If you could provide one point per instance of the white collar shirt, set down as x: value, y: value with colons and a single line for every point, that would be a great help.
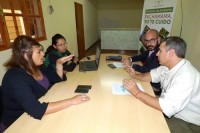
x: 150, y: 52
x: 180, y: 95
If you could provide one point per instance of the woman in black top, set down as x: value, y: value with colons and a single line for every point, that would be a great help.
x: 57, y: 50
x: 25, y: 82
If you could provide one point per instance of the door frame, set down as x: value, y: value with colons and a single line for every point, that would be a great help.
x: 80, y: 29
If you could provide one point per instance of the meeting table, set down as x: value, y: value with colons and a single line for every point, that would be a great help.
x: 104, y: 113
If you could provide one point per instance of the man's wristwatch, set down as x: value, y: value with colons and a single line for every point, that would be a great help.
x: 130, y: 59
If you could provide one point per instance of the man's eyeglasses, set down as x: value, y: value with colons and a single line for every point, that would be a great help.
x: 153, y: 40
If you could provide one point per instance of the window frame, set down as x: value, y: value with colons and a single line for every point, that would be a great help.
x: 6, y: 43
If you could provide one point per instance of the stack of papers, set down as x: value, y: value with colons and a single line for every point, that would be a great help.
x: 118, y: 89
x: 118, y: 64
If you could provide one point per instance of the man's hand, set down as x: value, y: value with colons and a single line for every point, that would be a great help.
x: 131, y: 71
x: 126, y: 62
x: 130, y: 86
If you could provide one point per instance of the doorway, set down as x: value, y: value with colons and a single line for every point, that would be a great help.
x: 80, y: 30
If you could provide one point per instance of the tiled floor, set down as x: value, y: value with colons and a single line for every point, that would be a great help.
x: 92, y: 50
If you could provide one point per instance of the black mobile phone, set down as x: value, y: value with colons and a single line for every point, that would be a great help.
x: 111, y: 66
x: 83, y: 88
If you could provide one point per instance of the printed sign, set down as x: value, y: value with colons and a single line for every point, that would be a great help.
x: 159, y: 15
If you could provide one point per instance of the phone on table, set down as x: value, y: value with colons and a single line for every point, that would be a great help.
x: 83, y: 88
x: 111, y: 66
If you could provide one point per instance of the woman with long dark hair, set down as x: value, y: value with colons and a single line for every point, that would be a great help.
x: 26, y: 81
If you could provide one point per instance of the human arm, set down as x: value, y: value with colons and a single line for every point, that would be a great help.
x: 150, y: 63
x: 147, y: 67
x: 37, y: 109
x: 146, y: 77
x: 141, y: 57
x: 59, y: 105
x: 59, y: 64
x: 25, y: 95
x: 75, y: 60
x: 69, y: 67
x: 131, y: 86
x: 27, y: 92
x: 128, y: 61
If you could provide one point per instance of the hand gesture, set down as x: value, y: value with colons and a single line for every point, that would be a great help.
x: 64, y: 59
x: 130, y: 86
x: 75, y: 60
x: 126, y: 62
x: 131, y: 71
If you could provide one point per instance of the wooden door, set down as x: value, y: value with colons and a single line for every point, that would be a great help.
x: 80, y: 30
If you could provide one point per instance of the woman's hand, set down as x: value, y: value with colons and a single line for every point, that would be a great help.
x: 59, y: 65
x: 81, y: 98
x: 75, y: 60
x: 59, y: 105
x: 64, y: 59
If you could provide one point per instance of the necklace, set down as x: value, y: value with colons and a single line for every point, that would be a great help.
x: 164, y: 89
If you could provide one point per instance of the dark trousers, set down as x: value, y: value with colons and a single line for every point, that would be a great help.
x: 179, y: 126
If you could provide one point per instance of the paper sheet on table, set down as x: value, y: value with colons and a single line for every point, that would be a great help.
x: 118, y: 64
x: 118, y: 89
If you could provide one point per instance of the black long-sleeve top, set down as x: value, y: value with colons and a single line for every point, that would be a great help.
x: 21, y: 93
x: 53, y: 56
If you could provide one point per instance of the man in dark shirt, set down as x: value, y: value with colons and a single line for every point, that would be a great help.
x: 149, y: 58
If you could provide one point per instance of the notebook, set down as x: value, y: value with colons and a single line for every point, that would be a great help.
x: 91, y: 65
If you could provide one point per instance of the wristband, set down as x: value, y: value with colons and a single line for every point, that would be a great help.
x: 137, y: 93
x: 130, y: 59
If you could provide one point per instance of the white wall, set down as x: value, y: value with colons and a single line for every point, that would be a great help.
x: 63, y: 21
x: 190, y: 29
x: 119, y: 14
x: 120, y: 38
x: 4, y: 56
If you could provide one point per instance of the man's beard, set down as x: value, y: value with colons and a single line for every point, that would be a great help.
x: 150, y: 48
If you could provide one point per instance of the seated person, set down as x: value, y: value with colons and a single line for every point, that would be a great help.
x: 25, y: 82
x: 149, y: 58
x: 57, y: 50
x: 180, y: 83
